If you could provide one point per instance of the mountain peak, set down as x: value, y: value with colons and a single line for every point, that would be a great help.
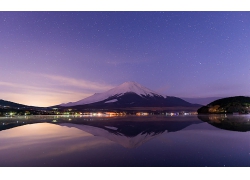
x: 133, y: 87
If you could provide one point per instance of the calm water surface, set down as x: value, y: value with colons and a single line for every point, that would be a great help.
x: 125, y: 141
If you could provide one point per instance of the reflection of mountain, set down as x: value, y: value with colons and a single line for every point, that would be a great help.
x: 125, y: 141
x: 9, y: 126
x: 12, y: 122
x: 130, y: 134
x: 228, y: 122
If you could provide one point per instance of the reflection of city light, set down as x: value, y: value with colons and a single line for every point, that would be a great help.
x: 142, y: 114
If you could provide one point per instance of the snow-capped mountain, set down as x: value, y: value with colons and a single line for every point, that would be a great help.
x: 128, y: 94
x: 127, y: 87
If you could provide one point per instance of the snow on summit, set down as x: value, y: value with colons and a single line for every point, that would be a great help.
x: 117, y: 91
x: 132, y: 87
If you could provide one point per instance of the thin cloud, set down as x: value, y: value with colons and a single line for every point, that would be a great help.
x: 80, y: 83
x: 28, y: 88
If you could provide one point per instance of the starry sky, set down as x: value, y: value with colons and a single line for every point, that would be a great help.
x: 49, y: 58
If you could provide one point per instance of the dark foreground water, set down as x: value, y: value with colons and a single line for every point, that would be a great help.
x: 125, y: 141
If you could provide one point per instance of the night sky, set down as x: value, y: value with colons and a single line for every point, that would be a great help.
x: 49, y: 58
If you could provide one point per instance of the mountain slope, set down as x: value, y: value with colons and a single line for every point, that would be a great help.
x: 11, y: 104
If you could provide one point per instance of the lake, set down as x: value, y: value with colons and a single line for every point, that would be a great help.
x: 125, y: 141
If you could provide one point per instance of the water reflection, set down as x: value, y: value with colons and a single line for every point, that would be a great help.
x: 228, y: 122
x: 129, y: 131
x: 128, y: 141
x: 46, y: 144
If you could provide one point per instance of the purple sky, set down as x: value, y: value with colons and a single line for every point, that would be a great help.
x: 48, y: 58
